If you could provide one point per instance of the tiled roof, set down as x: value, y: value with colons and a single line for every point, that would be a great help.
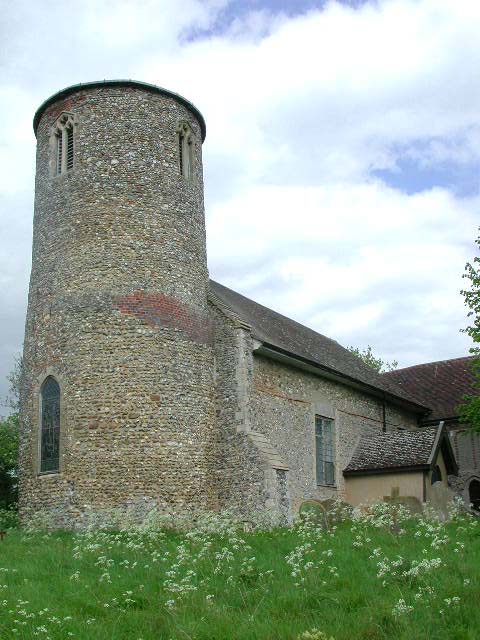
x: 393, y: 449
x: 438, y: 385
x: 401, y: 450
x: 294, y: 338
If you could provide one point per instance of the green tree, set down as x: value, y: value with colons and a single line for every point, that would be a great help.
x: 370, y: 359
x: 470, y: 410
x: 8, y: 460
x: 13, y: 397
x: 9, y: 438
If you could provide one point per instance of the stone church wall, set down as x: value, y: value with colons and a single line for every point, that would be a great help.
x: 285, y: 402
x: 163, y: 399
x: 466, y: 447
x: 240, y: 470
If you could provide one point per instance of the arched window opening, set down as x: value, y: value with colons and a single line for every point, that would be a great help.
x: 185, y: 151
x: 436, y: 474
x: 64, y: 144
x: 190, y: 159
x: 474, y: 494
x: 50, y: 426
x: 69, y: 148
x: 181, y: 139
x: 325, y: 450
x: 59, y: 153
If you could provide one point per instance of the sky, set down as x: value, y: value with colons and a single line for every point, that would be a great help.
x: 341, y: 160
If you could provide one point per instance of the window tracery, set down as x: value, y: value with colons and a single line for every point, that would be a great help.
x: 63, y: 133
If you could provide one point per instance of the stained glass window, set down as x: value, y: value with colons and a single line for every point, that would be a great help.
x: 50, y: 432
x: 325, y: 450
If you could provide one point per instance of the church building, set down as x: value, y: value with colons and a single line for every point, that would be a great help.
x: 147, y: 385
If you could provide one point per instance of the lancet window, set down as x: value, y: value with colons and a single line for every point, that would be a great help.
x: 325, y: 450
x: 185, y: 151
x: 50, y: 426
x: 64, y: 131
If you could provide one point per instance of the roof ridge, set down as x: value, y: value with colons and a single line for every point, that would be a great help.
x: 427, y: 364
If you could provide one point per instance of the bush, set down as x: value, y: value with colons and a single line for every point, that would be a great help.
x: 8, y: 461
x: 9, y: 517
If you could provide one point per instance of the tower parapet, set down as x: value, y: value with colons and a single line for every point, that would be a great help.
x: 117, y: 314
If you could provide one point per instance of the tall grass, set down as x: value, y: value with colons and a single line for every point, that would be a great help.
x: 379, y: 574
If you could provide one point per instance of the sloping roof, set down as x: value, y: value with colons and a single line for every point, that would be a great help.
x: 408, y: 450
x: 282, y: 333
x: 438, y: 385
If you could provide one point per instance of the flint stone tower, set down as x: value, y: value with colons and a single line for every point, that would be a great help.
x: 117, y: 395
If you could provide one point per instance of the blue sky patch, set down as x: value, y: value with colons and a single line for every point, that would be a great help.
x: 410, y: 177
x: 237, y: 9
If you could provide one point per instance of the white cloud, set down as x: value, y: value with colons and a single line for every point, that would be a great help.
x: 299, y: 112
x: 140, y: 23
x: 335, y: 89
x: 331, y: 255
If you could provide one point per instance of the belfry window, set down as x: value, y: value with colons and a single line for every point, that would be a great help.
x: 185, y: 151
x: 64, y: 144
x: 50, y: 426
x: 325, y: 450
x: 69, y: 148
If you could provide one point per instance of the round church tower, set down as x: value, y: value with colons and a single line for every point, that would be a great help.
x: 117, y: 395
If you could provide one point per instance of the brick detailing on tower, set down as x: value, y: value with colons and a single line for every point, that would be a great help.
x: 159, y: 310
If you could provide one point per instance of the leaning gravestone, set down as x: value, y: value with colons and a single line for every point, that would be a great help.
x: 312, y: 510
x: 440, y: 499
x: 412, y: 503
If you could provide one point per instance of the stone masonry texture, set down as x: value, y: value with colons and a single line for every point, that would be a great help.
x: 118, y: 311
x: 285, y: 402
x: 169, y: 396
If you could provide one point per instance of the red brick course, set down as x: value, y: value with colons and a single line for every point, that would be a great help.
x: 160, y: 310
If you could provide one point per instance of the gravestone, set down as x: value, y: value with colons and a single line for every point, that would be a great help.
x: 410, y: 502
x: 440, y: 499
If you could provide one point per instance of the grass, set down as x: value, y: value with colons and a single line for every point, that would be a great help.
x: 216, y: 582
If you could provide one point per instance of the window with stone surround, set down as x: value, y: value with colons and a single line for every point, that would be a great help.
x: 50, y: 426
x: 325, y: 450
x: 185, y: 151
x: 64, y: 143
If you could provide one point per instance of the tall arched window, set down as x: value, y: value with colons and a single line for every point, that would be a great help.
x: 64, y: 143
x: 474, y: 494
x: 185, y: 151
x: 50, y: 426
x: 325, y: 450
